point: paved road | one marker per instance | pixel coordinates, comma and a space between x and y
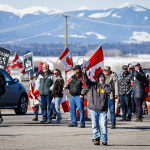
19, 132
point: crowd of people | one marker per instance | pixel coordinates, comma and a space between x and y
129, 86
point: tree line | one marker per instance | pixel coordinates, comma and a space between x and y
76, 49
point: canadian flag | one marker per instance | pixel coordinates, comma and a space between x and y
8, 69
34, 96
66, 60
96, 64
16, 63
64, 102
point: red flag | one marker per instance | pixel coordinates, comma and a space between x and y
8, 69
17, 63
34, 96
64, 102
96, 64
66, 60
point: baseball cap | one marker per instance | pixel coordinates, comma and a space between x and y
107, 68
131, 66
125, 67
137, 64
76, 67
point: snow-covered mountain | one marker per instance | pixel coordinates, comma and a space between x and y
127, 23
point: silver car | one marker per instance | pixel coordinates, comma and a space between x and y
15, 96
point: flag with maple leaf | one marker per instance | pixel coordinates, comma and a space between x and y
16, 63
96, 64
64, 102
66, 59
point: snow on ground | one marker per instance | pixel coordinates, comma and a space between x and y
115, 15
100, 15
31, 10
115, 63
141, 36
80, 14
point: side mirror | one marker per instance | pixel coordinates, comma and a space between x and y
16, 80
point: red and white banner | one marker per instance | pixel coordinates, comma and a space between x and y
64, 102
66, 60
34, 96
96, 64
16, 63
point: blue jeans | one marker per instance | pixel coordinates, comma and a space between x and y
111, 106
45, 102
36, 110
125, 101
56, 106
99, 119
75, 101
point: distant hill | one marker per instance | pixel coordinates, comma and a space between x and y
128, 23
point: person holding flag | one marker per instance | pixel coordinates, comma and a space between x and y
77, 91
98, 105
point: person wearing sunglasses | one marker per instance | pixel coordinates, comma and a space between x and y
57, 94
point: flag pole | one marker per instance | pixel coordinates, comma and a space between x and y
14, 54
94, 52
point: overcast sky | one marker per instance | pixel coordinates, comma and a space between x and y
70, 5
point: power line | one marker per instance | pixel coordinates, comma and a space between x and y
32, 36
132, 26
29, 25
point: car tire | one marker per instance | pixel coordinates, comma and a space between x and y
23, 105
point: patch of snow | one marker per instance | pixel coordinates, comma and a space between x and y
62, 36
138, 8
100, 15
80, 14
83, 8
35, 10
99, 36
77, 36
125, 5
141, 36
145, 18
115, 15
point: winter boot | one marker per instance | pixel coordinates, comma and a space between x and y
97, 141
140, 118
137, 119
35, 118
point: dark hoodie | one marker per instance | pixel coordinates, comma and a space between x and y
98, 94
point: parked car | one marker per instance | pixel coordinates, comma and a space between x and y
25, 76
15, 96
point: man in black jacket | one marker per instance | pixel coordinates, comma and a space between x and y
125, 93
77, 93
2, 90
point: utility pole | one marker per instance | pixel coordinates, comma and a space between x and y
66, 45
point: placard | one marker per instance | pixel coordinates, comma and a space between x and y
4, 57
28, 61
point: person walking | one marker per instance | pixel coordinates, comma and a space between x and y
45, 80
98, 105
125, 93
133, 105
57, 94
139, 92
2, 90
77, 90
112, 81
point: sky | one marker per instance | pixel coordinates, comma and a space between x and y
71, 5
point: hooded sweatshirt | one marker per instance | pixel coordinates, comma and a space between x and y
98, 94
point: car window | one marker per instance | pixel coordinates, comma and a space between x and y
7, 77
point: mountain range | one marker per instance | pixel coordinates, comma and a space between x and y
127, 23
